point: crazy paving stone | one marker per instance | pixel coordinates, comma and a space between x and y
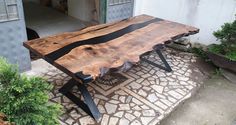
158, 88
110, 108
124, 121
135, 85
143, 95
129, 116
113, 121
124, 107
148, 112
146, 120
175, 94
152, 97
135, 122
137, 114
105, 119
122, 99
86, 120
119, 114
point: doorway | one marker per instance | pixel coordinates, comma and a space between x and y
44, 18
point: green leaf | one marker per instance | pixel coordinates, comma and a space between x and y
25, 99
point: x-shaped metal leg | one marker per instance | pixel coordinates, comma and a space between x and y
87, 105
158, 51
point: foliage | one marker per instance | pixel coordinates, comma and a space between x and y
3, 120
217, 73
25, 100
227, 33
199, 52
227, 37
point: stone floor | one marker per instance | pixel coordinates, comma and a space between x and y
142, 96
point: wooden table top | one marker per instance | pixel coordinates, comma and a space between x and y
96, 49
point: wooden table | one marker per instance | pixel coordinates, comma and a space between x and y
92, 52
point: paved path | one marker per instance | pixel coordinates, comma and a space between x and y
143, 95
214, 104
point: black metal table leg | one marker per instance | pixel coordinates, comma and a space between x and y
158, 51
87, 105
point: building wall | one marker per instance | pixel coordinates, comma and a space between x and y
81, 9
12, 36
119, 10
208, 15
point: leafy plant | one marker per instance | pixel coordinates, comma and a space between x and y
227, 33
227, 37
3, 120
199, 52
25, 100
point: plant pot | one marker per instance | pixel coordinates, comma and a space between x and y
221, 61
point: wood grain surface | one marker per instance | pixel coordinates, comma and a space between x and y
97, 59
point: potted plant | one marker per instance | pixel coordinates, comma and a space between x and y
223, 55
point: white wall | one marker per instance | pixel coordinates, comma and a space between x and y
208, 15
81, 9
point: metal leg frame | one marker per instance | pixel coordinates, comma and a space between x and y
158, 51
87, 105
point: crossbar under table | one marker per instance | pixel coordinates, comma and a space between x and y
158, 51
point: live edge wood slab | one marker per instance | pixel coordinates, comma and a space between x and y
95, 50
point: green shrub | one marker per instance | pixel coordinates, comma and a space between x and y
227, 37
199, 52
25, 100
227, 33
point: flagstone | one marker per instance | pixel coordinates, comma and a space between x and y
146, 120
183, 78
124, 121
129, 116
158, 88
124, 107
148, 112
119, 114
113, 121
137, 114
122, 99
101, 109
110, 108
144, 107
105, 119
161, 105
70, 121
146, 88
152, 97
135, 122
86, 120
135, 85
128, 100
114, 101
142, 93
175, 94
136, 108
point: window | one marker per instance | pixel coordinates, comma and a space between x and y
8, 10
